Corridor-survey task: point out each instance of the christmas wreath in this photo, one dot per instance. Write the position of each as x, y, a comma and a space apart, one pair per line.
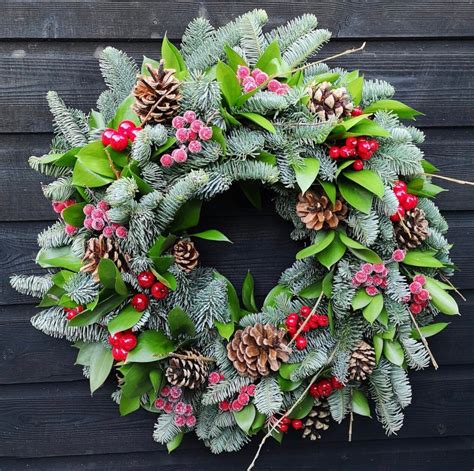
240, 105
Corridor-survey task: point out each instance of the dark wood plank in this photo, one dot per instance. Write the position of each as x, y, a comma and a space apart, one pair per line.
73, 423
416, 68
145, 20
409, 455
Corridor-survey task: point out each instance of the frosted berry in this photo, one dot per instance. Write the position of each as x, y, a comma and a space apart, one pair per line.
305, 311
140, 302
409, 201
255, 72
166, 160
107, 136
88, 223
159, 290
194, 146
273, 85
351, 141
251, 390
224, 406
345, 152
242, 72
121, 232
189, 116
334, 152
179, 155
87, 209
125, 127
70, 230
358, 165
297, 424
132, 134
191, 421
108, 231
118, 142
399, 185
261, 78
415, 287
398, 255
420, 279
114, 339
178, 122
119, 354
128, 341
146, 279
415, 308
196, 125
182, 135
243, 398
236, 406
98, 224
250, 86
371, 290
214, 378
205, 133
58, 206
301, 342
357, 111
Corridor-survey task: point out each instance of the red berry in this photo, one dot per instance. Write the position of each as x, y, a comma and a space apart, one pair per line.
400, 193
107, 136
118, 142
119, 354
353, 152
313, 322
323, 321
345, 152
356, 111
358, 165
363, 146
146, 279
305, 311
399, 184
70, 313
313, 390
134, 133
291, 322
128, 341
398, 215
125, 127
409, 201
297, 424
324, 388
285, 420
365, 155
301, 342
351, 141
140, 302
415, 308
374, 145
334, 152
306, 327
293, 315
159, 290
114, 339
79, 309
292, 330
283, 428
336, 384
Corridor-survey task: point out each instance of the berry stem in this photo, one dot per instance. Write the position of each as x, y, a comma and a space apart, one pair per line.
446, 280
351, 422
449, 179
111, 164
191, 357
424, 341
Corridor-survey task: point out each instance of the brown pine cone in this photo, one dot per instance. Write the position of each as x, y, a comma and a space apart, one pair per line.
412, 229
187, 372
99, 248
317, 420
186, 255
157, 95
326, 102
362, 361
257, 350
317, 212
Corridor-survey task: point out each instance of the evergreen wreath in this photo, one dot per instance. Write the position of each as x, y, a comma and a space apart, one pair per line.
240, 105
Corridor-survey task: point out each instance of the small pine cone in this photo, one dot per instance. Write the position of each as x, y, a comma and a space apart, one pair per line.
317, 212
187, 373
326, 102
362, 361
186, 255
412, 229
257, 350
99, 248
157, 95
317, 420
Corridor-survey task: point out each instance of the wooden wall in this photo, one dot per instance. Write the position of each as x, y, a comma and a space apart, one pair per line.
48, 421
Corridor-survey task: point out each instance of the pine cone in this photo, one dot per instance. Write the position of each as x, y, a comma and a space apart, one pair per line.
188, 373
317, 212
157, 95
412, 229
317, 420
362, 361
99, 248
186, 255
326, 102
257, 350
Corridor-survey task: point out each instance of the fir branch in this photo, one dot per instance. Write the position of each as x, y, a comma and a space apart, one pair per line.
59, 190
287, 34
268, 397
31, 285
305, 47
81, 288
339, 403
53, 236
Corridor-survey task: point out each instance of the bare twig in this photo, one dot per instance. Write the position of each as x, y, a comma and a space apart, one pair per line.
111, 164
351, 422
449, 179
424, 341
446, 280
191, 357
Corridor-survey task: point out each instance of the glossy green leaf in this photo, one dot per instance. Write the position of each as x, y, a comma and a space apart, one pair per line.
172, 57
390, 333
136, 379
228, 83
233, 58
163, 262
61, 257
355, 89
383, 317
245, 417
360, 404
126, 319
330, 190
327, 283
428, 167
168, 279
180, 323
303, 408
187, 216
260, 121
442, 300
101, 362
248, 296
156, 379
355, 195
83, 176
212, 234
367, 179
110, 277
232, 297
400, 109
393, 351
270, 61
286, 369
367, 127
429, 330
325, 239
373, 309
175, 442
306, 173
124, 112
74, 214
274, 293
252, 192
225, 329
419, 258
361, 299
258, 422
96, 120
359, 250
52, 297
288, 385
128, 405
218, 136
378, 347
148, 61
151, 345
332, 254
312, 291
161, 244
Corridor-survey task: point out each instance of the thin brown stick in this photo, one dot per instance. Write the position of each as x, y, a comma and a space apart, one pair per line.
111, 164
351, 422
288, 412
191, 357
449, 179
446, 280
424, 341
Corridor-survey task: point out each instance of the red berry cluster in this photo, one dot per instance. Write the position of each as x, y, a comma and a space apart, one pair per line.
73, 312
240, 401
171, 401
147, 280
324, 387
294, 321
406, 201
118, 139
419, 296
360, 147
285, 423
122, 343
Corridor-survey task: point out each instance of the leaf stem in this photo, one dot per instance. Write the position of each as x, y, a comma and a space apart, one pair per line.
111, 164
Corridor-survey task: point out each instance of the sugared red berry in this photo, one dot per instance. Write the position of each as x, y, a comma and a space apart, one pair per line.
297, 424
128, 341
357, 111
140, 302
118, 142
119, 354
409, 201
301, 342
107, 136
114, 339
358, 165
415, 308
305, 311
125, 127
159, 290
351, 141
146, 279
334, 152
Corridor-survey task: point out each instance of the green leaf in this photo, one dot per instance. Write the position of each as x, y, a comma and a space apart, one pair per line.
163, 263
252, 192
383, 319
111, 278
276, 291
96, 120
359, 250
312, 291
393, 351
229, 119
225, 330
228, 82
442, 300
233, 58
373, 309
258, 422
126, 319
168, 279
233, 298
124, 112
156, 378
367, 179
355, 89
330, 190
367, 127
331, 317
428, 167
52, 297
61, 257
400, 109
175, 442
287, 384
323, 240
349, 123
260, 121
85, 353
270, 61
378, 347
170, 142
303, 408
286, 369
212, 234
74, 215
180, 323
360, 405
327, 283
419, 258
355, 195
248, 296
306, 173
148, 61
218, 136
187, 216
245, 417
161, 244
332, 254
151, 345
173, 58
101, 362
429, 330
361, 299
136, 379
128, 405
92, 168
